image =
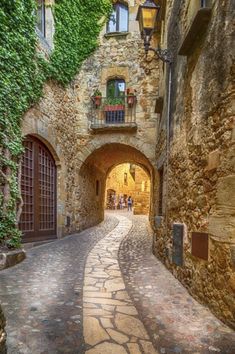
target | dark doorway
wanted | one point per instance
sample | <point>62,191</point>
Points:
<point>38,186</point>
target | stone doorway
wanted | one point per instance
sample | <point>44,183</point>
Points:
<point>38,187</point>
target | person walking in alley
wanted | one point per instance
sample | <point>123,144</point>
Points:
<point>129,203</point>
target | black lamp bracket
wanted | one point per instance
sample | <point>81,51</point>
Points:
<point>163,54</point>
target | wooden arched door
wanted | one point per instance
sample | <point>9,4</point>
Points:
<point>38,187</point>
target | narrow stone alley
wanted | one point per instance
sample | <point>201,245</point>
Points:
<point>103,292</point>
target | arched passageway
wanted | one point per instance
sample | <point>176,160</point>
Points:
<point>128,188</point>
<point>93,175</point>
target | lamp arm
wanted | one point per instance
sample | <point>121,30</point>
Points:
<point>163,54</point>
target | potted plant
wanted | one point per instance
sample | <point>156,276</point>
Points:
<point>131,97</point>
<point>114,104</point>
<point>97,97</point>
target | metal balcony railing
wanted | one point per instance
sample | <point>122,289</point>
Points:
<point>111,113</point>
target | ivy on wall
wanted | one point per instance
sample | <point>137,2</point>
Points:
<point>78,24</point>
<point>22,74</point>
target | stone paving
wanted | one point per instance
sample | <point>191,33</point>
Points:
<point>42,297</point>
<point>175,322</point>
<point>126,303</point>
<point>111,323</point>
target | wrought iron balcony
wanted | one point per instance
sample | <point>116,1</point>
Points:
<point>114,114</point>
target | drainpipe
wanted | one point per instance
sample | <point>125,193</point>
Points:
<point>168,121</point>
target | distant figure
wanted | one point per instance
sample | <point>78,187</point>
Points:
<point>129,203</point>
<point>121,202</point>
<point>115,201</point>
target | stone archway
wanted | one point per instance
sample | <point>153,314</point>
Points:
<point>93,174</point>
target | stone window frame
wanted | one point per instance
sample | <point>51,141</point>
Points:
<point>46,37</point>
<point>116,72</point>
<point>116,4</point>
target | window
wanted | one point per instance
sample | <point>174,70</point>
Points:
<point>41,16</point>
<point>115,110</point>
<point>118,21</point>
<point>116,88</point>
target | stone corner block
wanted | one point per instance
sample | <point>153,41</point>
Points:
<point>11,258</point>
<point>213,160</point>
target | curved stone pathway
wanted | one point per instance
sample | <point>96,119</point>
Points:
<point>175,321</point>
<point>111,322</point>
<point>42,296</point>
<point>125,303</point>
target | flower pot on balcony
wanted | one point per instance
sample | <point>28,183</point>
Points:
<point>131,100</point>
<point>98,100</point>
<point>114,108</point>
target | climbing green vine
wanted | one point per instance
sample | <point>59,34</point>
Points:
<point>23,70</point>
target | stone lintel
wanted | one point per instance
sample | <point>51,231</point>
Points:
<point>113,127</point>
<point>116,34</point>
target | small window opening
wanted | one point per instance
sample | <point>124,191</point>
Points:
<point>118,21</point>
<point>116,88</point>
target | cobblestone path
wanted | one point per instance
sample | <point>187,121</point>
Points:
<point>125,302</point>
<point>175,322</point>
<point>42,297</point>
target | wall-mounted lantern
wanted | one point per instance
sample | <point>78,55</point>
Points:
<point>147,17</point>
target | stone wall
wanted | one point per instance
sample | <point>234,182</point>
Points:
<point>2,333</point>
<point>201,185</point>
<point>142,192</point>
<point>62,120</point>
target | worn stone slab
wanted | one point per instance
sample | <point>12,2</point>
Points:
<point>106,322</point>
<point>88,294</point>
<point>131,326</point>
<point>96,312</point>
<point>148,347</point>
<point>128,310</point>
<point>93,332</point>
<point>115,284</point>
<point>107,348</point>
<point>117,336</point>
<point>134,348</point>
